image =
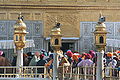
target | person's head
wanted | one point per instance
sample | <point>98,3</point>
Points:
<point>116,58</point>
<point>92,53</point>
<point>115,54</point>
<point>37,54</point>
<point>69,53</point>
<point>51,56</point>
<point>83,55</point>
<point>29,53</point>
<point>88,56</point>
<point>75,57</point>
<point>42,50</point>
<point>109,54</point>
<point>1,53</point>
<point>41,56</point>
<point>52,51</point>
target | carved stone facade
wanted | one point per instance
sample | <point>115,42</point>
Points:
<point>76,16</point>
<point>69,23</point>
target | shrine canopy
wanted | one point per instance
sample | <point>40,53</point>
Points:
<point>9,44</point>
<point>113,43</point>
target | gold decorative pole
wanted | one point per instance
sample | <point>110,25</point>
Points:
<point>100,42</point>
<point>19,40</point>
<point>55,42</point>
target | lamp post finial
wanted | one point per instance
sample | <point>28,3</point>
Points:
<point>20,16</point>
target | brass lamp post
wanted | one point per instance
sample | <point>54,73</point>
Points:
<point>19,40</point>
<point>55,42</point>
<point>100,34</point>
<point>56,35</point>
<point>100,42</point>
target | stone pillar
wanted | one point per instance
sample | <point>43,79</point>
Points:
<point>55,67</point>
<point>19,57</point>
<point>100,66</point>
<point>19,63</point>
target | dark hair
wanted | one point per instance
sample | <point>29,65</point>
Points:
<point>115,58</point>
<point>52,50</point>
<point>51,56</point>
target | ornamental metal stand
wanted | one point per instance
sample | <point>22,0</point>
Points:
<point>55,44</point>
<point>100,43</point>
<point>19,40</point>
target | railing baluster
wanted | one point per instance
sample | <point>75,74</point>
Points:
<point>44,71</point>
<point>78,73</point>
<point>4,71</point>
<point>119,74</point>
<point>35,72</point>
<point>93,69</point>
<point>70,71</point>
<point>63,75</point>
<point>85,72</point>
<point>110,73</point>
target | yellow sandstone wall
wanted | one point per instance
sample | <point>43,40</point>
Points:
<point>68,12</point>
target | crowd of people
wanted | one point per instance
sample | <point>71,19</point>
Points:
<point>69,58</point>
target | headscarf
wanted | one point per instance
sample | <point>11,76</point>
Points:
<point>109,54</point>
<point>83,55</point>
<point>69,53</point>
<point>1,53</point>
<point>43,52</point>
<point>92,53</point>
<point>41,56</point>
<point>37,53</point>
<point>51,56</point>
<point>88,56</point>
<point>75,57</point>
